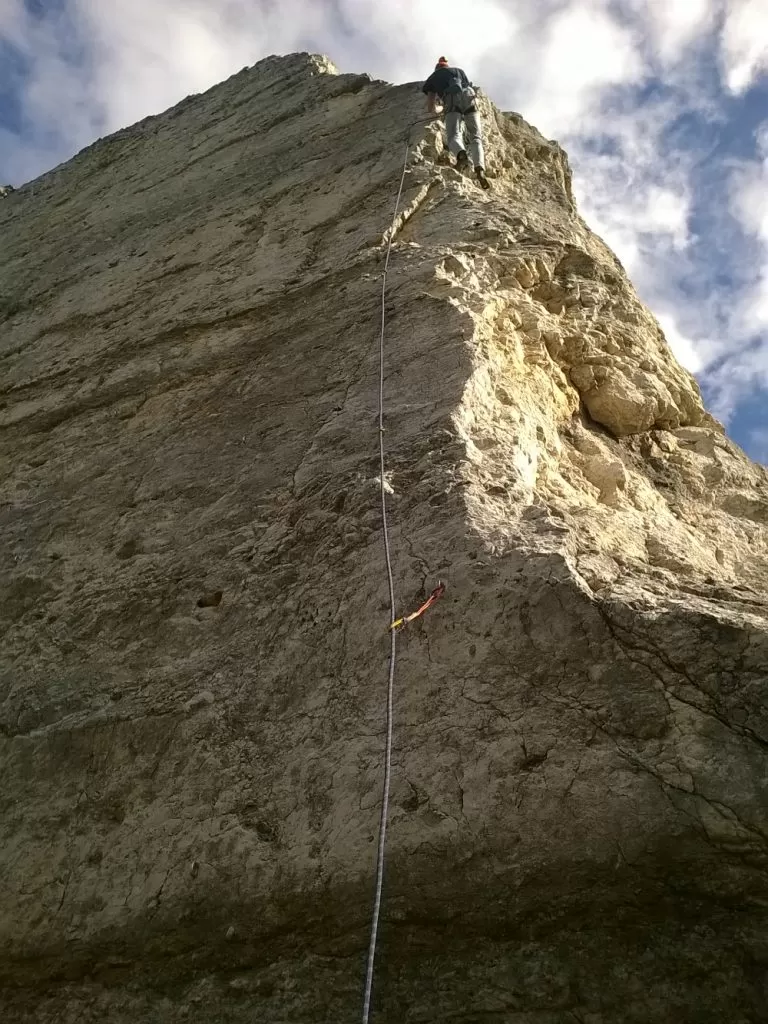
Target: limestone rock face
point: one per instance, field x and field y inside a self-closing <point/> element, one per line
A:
<point x="195" y="616"/>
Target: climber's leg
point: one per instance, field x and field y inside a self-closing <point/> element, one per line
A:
<point x="454" y="133"/>
<point x="475" y="133"/>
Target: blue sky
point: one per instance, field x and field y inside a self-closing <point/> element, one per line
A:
<point x="661" y="104"/>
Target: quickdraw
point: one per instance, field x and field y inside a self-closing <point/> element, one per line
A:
<point x="436" y="594"/>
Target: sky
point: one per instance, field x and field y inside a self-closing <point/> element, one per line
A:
<point x="662" y="106"/>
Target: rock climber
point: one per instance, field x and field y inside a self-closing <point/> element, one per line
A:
<point x="456" y="93"/>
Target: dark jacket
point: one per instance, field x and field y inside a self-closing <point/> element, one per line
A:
<point x="441" y="79"/>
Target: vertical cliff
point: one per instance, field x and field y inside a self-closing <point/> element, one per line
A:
<point x="194" y="611"/>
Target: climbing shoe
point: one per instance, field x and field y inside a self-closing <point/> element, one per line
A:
<point x="462" y="160"/>
<point x="480" y="175"/>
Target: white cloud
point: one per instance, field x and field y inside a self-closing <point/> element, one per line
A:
<point x="12" y="20"/>
<point x="582" y="51"/>
<point x="637" y="200"/>
<point x="746" y="374"/>
<point x="684" y="349"/>
<point x="634" y="219"/>
<point x="749" y="197"/>
<point x="752" y="318"/>
<point x="675" y="24"/>
<point x="744" y="42"/>
<point x="9" y="14"/>
<point x="749" y="204"/>
<point x="666" y="213"/>
<point x="405" y="37"/>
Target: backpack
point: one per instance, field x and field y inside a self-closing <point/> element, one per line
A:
<point x="460" y="98"/>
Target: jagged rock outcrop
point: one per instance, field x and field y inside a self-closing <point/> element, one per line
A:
<point x="194" y="616"/>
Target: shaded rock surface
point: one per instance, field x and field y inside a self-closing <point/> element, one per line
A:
<point x="194" y="612"/>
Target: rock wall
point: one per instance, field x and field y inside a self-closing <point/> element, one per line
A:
<point x="195" y="610"/>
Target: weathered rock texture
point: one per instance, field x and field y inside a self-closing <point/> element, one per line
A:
<point x="194" y="608"/>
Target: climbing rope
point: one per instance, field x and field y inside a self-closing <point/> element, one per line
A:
<point x="393" y="615"/>
<point x="396" y="623"/>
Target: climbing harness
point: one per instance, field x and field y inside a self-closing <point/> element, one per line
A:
<point x="434" y="596"/>
<point x="392" y="605"/>
<point x="460" y="99"/>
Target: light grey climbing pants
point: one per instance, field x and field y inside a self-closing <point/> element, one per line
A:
<point x="456" y="125"/>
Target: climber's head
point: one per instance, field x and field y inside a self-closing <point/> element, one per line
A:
<point x="442" y="63"/>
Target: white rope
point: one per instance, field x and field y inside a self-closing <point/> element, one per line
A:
<point x="393" y="615"/>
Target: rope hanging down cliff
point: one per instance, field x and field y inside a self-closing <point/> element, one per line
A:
<point x="393" y="616"/>
<point x="381" y="847"/>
